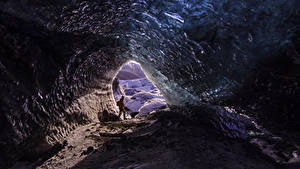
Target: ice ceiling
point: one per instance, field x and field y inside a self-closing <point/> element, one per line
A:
<point x="58" y="58"/>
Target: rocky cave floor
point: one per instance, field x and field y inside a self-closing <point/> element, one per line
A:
<point x="162" y="140"/>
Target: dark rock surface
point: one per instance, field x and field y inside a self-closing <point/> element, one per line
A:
<point x="105" y="116"/>
<point x="58" y="60"/>
<point x="164" y="140"/>
<point x="89" y="150"/>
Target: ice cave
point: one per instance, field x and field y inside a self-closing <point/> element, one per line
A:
<point x="220" y="88"/>
<point x="142" y="97"/>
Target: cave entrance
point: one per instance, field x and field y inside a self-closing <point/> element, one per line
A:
<point x="142" y="97"/>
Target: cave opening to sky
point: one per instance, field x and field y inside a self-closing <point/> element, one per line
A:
<point x="142" y="97"/>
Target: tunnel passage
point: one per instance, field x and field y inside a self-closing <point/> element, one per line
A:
<point x="58" y="60"/>
<point x="141" y="95"/>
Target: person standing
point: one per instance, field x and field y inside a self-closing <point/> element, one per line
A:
<point x="121" y="106"/>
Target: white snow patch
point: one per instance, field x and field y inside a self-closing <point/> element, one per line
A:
<point x="151" y="105"/>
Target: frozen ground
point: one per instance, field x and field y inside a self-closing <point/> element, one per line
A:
<point x="163" y="140"/>
<point x="166" y="139"/>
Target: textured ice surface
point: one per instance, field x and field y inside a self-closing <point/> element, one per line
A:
<point x="202" y="50"/>
<point x="142" y="96"/>
<point x="130" y="71"/>
<point x="138" y="84"/>
<point x="57" y="56"/>
<point x="152" y="106"/>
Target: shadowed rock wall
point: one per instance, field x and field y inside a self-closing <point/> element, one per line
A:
<point x="52" y="81"/>
<point x="58" y="58"/>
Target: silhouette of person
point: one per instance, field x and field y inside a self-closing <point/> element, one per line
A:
<point x="121" y="106"/>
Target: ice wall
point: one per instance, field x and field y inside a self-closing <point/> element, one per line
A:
<point x="57" y="56"/>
